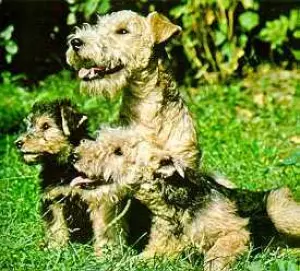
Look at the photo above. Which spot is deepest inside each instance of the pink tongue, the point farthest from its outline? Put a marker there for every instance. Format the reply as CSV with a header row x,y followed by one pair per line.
x,y
89,73
83,73
79,181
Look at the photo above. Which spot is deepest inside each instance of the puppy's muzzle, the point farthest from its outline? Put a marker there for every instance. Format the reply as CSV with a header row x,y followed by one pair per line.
x,y
74,158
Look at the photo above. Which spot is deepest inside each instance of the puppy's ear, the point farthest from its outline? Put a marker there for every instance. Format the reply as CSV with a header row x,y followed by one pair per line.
x,y
64,122
162,29
71,120
168,167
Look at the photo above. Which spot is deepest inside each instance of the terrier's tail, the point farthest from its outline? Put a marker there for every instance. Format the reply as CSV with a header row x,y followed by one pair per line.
x,y
284,212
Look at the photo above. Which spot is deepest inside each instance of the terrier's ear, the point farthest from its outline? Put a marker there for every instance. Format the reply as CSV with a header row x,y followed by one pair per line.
x,y
162,28
168,167
64,122
71,120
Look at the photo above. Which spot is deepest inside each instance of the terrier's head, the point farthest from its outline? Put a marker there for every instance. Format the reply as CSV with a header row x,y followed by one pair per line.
x,y
117,50
53,129
123,157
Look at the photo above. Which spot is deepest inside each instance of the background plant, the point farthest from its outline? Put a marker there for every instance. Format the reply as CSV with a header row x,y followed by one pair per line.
x,y
216,34
221,38
86,8
9,45
277,33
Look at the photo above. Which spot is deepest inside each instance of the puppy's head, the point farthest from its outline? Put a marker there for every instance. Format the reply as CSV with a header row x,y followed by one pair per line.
x,y
53,129
123,156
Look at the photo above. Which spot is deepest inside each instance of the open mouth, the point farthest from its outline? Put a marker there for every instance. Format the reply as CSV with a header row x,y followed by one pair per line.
x,y
30,153
97,72
85,182
30,156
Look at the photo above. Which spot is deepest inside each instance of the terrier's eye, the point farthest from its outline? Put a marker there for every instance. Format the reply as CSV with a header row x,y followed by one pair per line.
x,y
45,126
118,151
82,141
122,31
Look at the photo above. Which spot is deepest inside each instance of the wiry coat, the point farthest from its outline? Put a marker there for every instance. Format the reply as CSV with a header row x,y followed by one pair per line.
x,y
198,212
53,130
125,51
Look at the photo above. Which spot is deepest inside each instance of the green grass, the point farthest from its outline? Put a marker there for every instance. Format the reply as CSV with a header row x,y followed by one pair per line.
x,y
253,143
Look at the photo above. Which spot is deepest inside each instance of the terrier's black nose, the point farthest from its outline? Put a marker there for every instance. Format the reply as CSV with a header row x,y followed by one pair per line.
x,y
74,158
19,143
76,44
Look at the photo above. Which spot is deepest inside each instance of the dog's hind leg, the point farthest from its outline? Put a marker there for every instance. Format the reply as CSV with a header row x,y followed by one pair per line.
x,y
284,212
225,251
219,233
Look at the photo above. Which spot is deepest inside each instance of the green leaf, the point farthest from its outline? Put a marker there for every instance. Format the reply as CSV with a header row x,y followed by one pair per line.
x,y
11,47
226,3
243,40
71,19
247,4
8,58
7,32
227,50
90,7
220,37
224,27
296,34
104,6
293,20
248,20
178,11
296,54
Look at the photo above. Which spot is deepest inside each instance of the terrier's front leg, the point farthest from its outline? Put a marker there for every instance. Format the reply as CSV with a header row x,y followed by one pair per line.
x,y
107,215
56,226
163,240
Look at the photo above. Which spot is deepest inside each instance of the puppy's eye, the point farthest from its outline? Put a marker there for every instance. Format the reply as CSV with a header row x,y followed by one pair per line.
x,y
122,31
82,141
166,162
118,151
45,126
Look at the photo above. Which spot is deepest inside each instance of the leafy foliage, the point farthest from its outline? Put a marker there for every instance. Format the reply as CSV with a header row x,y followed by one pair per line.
x,y
87,8
278,32
213,41
6,41
219,35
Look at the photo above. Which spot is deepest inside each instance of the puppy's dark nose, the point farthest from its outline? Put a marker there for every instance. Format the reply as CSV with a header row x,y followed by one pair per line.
x,y
74,158
19,143
76,44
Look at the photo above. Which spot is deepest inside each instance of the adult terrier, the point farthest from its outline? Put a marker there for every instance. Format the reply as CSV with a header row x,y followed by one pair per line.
x,y
199,212
125,51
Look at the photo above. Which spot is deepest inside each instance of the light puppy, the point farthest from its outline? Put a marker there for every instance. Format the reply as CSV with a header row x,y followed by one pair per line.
x,y
199,212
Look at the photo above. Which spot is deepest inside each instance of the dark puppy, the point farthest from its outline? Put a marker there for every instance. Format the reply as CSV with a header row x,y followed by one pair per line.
x,y
53,130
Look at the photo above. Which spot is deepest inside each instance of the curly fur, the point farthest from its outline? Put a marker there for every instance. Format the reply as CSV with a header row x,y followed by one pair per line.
x,y
200,212
49,142
133,47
